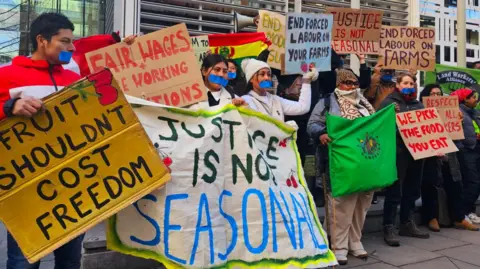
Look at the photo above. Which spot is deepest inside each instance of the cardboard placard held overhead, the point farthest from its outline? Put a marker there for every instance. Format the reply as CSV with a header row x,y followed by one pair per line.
x,y
309,38
200,47
424,133
160,67
80,161
448,108
273,25
355,30
405,47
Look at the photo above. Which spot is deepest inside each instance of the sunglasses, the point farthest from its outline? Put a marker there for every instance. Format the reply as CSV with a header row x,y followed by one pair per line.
x,y
351,83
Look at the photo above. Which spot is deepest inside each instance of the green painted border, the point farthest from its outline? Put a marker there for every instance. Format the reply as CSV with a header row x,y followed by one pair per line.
x,y
327,259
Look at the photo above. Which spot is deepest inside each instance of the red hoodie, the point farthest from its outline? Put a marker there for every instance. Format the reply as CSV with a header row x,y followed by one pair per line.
x,y
26,77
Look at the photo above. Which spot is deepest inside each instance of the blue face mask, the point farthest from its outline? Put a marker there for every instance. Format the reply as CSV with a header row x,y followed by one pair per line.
x,y
232,75
217,80
407,91
65,56
387,78
266,84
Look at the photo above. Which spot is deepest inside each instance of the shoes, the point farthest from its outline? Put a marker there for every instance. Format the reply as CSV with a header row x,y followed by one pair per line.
x,y
411,230
474,218
341,258
434,226
359,253
389,236
466,225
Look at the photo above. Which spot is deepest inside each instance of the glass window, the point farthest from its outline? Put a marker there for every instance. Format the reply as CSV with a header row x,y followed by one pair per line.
x,y
87,16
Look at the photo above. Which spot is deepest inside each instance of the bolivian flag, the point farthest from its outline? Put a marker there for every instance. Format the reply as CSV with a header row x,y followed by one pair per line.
x,y
238,46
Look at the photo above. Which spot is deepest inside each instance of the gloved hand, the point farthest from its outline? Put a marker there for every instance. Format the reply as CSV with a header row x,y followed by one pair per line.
x,y
312,75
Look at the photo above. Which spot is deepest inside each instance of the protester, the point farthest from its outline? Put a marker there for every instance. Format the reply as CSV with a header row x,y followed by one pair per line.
x,y
236,80
328,78
432,177
383,84
406,190
259,78
476,65
215,72
22,84
469,151
348,102
442,175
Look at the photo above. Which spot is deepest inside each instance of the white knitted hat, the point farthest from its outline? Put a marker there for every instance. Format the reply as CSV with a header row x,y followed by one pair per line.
x,y
251,66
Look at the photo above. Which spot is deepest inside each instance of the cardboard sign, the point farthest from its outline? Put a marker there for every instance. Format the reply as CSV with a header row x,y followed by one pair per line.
x,y
354,46
355,30
273,25
424,133
200,47
70,167
160,67
447,107
405,47
237,198
308,42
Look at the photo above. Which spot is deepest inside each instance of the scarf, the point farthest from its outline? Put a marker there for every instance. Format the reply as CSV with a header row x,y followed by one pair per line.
x,y
353,105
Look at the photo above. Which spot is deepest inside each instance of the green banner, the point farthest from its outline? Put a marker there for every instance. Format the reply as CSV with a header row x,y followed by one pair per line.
x,y
452,78
362,153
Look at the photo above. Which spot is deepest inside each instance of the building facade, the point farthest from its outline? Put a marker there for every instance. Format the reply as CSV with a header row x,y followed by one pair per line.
x,y
442,14
88,17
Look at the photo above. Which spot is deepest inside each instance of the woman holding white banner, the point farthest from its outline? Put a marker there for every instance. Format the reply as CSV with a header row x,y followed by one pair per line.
x,y
215,72
259,77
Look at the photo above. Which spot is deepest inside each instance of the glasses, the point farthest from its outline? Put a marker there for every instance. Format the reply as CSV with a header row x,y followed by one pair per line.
x,y
435,94
351,83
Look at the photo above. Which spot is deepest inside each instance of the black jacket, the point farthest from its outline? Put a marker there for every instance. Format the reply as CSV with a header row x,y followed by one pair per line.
x,y
401,106
469,115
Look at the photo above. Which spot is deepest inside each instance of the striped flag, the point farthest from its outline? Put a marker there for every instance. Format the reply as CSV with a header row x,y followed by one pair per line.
x,y
238,46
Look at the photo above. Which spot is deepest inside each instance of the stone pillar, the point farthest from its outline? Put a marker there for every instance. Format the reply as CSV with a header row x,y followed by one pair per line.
x,y
126,17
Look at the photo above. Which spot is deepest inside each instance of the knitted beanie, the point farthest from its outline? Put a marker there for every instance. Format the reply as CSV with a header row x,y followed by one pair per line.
x,y
345,75
252,66
462,94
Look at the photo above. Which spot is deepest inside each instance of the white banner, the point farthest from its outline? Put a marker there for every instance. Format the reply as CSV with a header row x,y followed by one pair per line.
x,y
237,198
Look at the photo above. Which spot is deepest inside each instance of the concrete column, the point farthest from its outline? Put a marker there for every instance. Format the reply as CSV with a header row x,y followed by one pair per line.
x,y
354,63
413,13
461,34
414,20
126,17
286,6
298,6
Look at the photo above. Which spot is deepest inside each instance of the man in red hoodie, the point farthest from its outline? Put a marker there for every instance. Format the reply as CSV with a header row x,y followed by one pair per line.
x,y
27,80
22,85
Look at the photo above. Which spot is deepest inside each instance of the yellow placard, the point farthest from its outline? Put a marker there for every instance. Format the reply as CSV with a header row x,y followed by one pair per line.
x,y
83,159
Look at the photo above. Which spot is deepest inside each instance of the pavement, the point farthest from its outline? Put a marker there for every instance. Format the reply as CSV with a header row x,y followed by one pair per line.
x,y
448,249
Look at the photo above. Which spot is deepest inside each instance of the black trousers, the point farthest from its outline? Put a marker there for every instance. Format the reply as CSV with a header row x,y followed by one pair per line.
x,y
430,181
454,190
405,191
470,167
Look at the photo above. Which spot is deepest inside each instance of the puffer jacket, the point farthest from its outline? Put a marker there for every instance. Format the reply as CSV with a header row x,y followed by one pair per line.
x,y
401,106
469,115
